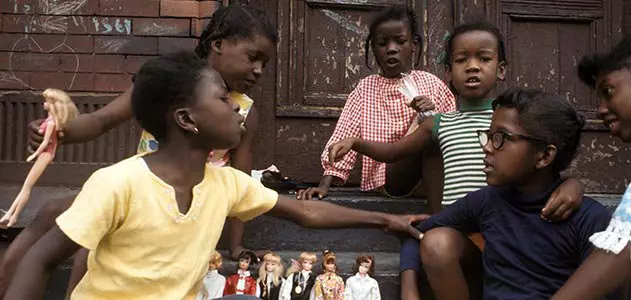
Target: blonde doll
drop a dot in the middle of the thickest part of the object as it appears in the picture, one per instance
(270, 277)
(60, 109)
(328, 285)
(300, 280)
(213, 283)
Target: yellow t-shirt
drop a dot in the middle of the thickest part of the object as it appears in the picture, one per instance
(141, 246)
(218, 158)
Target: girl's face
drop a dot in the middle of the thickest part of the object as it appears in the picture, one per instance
(518, 155)
(474, 67)
(329, 267)
(307, 265)
(614, 93)
(240, 61)
(393, 46)
(215, 116)
(364, 267)
(271, 266)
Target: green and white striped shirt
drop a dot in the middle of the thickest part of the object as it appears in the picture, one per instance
(457, 136)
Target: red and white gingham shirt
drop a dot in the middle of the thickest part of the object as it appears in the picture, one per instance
(376, 111)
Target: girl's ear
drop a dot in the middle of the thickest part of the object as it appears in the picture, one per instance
(501, 70)
(546, 157)
(184, 119)
(216, 45)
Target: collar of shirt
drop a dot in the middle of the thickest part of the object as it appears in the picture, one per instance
(305, 274)
(243, 273)
(529, 202)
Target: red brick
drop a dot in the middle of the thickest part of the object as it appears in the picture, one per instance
(4, 60)
(14, 80)
(17, 6)
(67, 7)
(34, 62)
(63, 43)
(96, 25)
(162, 27)
(111, 82)
(207, 8)
(125, 45)
(198, 26)
(179, 8)
(15, 23)
(46, 43)
(129, 8)
(133, 63)
(64, 81)
(167, 45)
(83, 63)
(109, 64)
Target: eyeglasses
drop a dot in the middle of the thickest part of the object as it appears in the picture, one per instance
(497, 138)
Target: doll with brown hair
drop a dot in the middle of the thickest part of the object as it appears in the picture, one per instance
(270, 277)
(242, 283)
(328, 285)
(60, 110)
(213, 283)
(362, 286)
(300, 280)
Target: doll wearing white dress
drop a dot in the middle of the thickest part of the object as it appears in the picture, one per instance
(213, 283)
(362, 286)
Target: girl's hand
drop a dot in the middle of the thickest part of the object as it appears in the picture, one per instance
(36, 135)
(421, 104)
(338, 150)
(307, 194)
(403, 224)
(564, 201)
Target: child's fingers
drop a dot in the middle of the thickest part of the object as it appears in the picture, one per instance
(560, 212)
(415, 233)
(553, 203)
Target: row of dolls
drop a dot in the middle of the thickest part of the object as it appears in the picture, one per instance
(299, 284)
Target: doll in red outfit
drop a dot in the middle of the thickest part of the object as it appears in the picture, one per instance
(242, 283)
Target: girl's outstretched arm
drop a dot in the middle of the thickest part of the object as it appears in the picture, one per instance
(322, 214)
(32, 274)
(386, 152)
(86, 127)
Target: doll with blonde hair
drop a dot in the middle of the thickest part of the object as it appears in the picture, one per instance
(329, 285)
(300, 280)
(270, 277)
(60, 110)
(213, 283)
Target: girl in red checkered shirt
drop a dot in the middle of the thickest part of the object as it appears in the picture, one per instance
(377, 111)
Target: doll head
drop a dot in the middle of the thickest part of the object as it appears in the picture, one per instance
(244, 260)
(365, 264)
(60, 107)
(328, 261)
(216, 261)
(307, 259)
(271, 264)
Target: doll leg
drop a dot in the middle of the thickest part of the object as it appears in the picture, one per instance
(11, 217)
(453, 264)
(44, 220)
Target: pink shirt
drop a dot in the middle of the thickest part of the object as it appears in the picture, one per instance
(376, 111)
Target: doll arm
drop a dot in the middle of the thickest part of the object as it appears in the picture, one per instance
(339, 289)
(50, 129)
(375, 293)
(285, 288)
(317, 289)
(348, 292)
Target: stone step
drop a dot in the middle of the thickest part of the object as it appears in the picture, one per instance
(276, 234)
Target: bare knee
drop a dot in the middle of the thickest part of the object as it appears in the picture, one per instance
(441, 246)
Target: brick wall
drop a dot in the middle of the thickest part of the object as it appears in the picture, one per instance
(91, 45)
